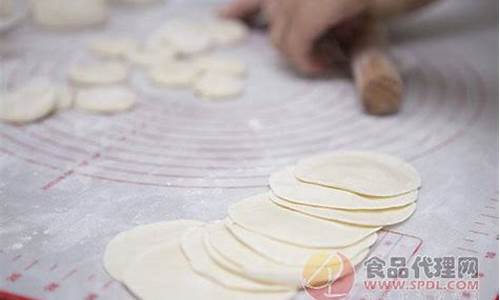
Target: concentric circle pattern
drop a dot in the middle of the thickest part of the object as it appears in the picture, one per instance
(172, 143)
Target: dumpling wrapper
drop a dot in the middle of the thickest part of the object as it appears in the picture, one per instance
(261, 215)
(384, 217)
(194, 248)
(232, 254)
(127, 246)
(165, 272)
(287, 254)
(365, 173)
(98, 73)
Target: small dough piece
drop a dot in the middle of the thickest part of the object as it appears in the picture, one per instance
(261, 215)
(218, 86)
(223, 65)
(106, 99)
(175, 74)
(286, 186)
(124, 248)
(113, 47)
(98, 73)
(365, 173)
(227, 32)
(194, 249)
(29, 103)
(384, 217)
(148, 57)
(287, 254)
(164, 272)
(186, 37)
(63, 14)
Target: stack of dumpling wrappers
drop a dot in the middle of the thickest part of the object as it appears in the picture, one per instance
(334, 202)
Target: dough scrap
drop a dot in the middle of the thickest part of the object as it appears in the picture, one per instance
(285, 185)
(106, 99)
(287, 254)
(261, 215)
(113, 47)
(223, 65)
(365, 173)
(218, 86)
(193, 247)
(175, 74)
(227, 32)
(63, 14)
(98, 73)
(124, 248)
(29, 103)
(383, 217)
(165, 270)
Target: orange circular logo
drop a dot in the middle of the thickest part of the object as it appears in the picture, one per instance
(328, 275)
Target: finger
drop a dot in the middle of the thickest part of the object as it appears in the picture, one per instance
(298, 46)
(240, 8)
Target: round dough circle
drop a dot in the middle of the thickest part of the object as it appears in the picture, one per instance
(287, 254)
(365, 173)
(194, 248)
(285, 185)
(227, 32)
(29, 103)
(261, 215)
(175, 74)
(124, 248)
(98, 73)
(384, 217)
(63, 14)
(218, 86)
(113, 47)
(106, 99)
(165, 270)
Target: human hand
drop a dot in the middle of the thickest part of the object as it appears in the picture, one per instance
(297, 26)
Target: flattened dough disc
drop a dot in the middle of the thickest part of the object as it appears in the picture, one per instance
(365, 173)
(124, 248)
(286, 186)
(194, 249)
(106, 99)
(165, 273)
(223, 65)
(175, 74)
(261, 215)
(383, 217)
(218, 86)
(32, 102)
(288, 254)
(227, 32)
(63, 14)
(113, 47)
(98, 73)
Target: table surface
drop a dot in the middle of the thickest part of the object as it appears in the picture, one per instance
(68, 184)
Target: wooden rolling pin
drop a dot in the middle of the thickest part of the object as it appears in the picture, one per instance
(377, 80)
